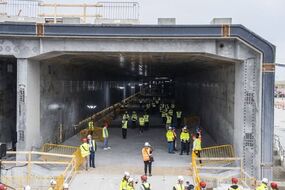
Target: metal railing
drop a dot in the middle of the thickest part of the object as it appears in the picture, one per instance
(217, 152)
(280, 149)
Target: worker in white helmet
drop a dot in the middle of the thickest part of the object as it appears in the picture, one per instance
(263, 185)
(124, 182)
(131, 184)
(180, 184)
(52, 185)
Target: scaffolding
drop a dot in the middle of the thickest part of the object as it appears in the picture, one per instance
(110, 12)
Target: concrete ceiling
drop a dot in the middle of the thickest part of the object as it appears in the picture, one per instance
(141, 64)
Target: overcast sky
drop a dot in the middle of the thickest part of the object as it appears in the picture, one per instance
(264, 17)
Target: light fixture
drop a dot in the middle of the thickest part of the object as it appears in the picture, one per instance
(121, 87)
(91, 107)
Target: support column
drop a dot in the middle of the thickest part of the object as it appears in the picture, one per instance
(267, 125)
(107, 94)
(28, 104)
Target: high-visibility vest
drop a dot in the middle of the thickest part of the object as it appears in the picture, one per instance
(169, 136)
(141, 121)
(262, 187)
(91, 125)
(234, 187)
(145, 186)
(197, 144)
(168, 119)
(178, 114)
(179, 187)
(134, 117)
(125, 124)
(170, 112)
(184, 136)
(146, 118)
(105, 132)
(163, 114)
(92, 143)
(84, 150)
(123, 184)
(130, 187)
(146, 153)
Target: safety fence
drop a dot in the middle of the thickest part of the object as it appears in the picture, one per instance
(280, 105)
(218, 165)
(99, 118)
(36, 169)
(280, 149)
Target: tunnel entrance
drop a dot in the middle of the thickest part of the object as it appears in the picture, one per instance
(75, 85)
(8, 101)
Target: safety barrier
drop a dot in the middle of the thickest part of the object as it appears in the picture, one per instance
(280, 149)
(195, 172)
(217, 152)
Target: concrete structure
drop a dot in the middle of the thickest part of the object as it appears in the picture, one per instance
(223, 73)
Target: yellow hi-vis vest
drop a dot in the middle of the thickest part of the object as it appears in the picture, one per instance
(141, 121)
(184, 136)
(163, 114)
(90, 125)
(262, 187)
(130, 187)
(197, 144)
(84, 150)
(105, 132)
(126, 117)
(179, 187)
(168, 119)
(134, 117)
(146, 118)
(178, 114)
(124, 184)
(169, 136)
(125, 124)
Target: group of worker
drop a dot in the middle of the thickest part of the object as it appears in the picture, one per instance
(143, 122)
(87, 150)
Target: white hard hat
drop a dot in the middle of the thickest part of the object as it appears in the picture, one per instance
(185, 127)
(27, 187)
(89, 137)
(265, 180)
(127, 174)
(169, 128)
(180, 178)
(65, 186)
(52, 182)
(146, 144)
(130, 179)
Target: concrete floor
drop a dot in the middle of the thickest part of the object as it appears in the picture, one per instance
(125, 155)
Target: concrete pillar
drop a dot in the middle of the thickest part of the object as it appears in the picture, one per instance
(267, 123)
(28, 104)
(107, 94)
(125, 91)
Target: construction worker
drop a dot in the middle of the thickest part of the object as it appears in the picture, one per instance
(2, 187)
(170, 139)
(179, 185)
(178, 118)
(197, 146)
(274, 186)
(92, 149)
(263, 185)
(134, 118)
(141, 123)
(91, 126)
(126, 116)
(170, 112)
(131, 185)
(84, 149)
(174, 140)
(52, 185)
(145, 185)
(146, 121)
(147, 157)
(234, 185)
(65, 186)
(124, 128)
(168, 119)
(185, 141)
(124, 182)
(163, 116)
(105, 135)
